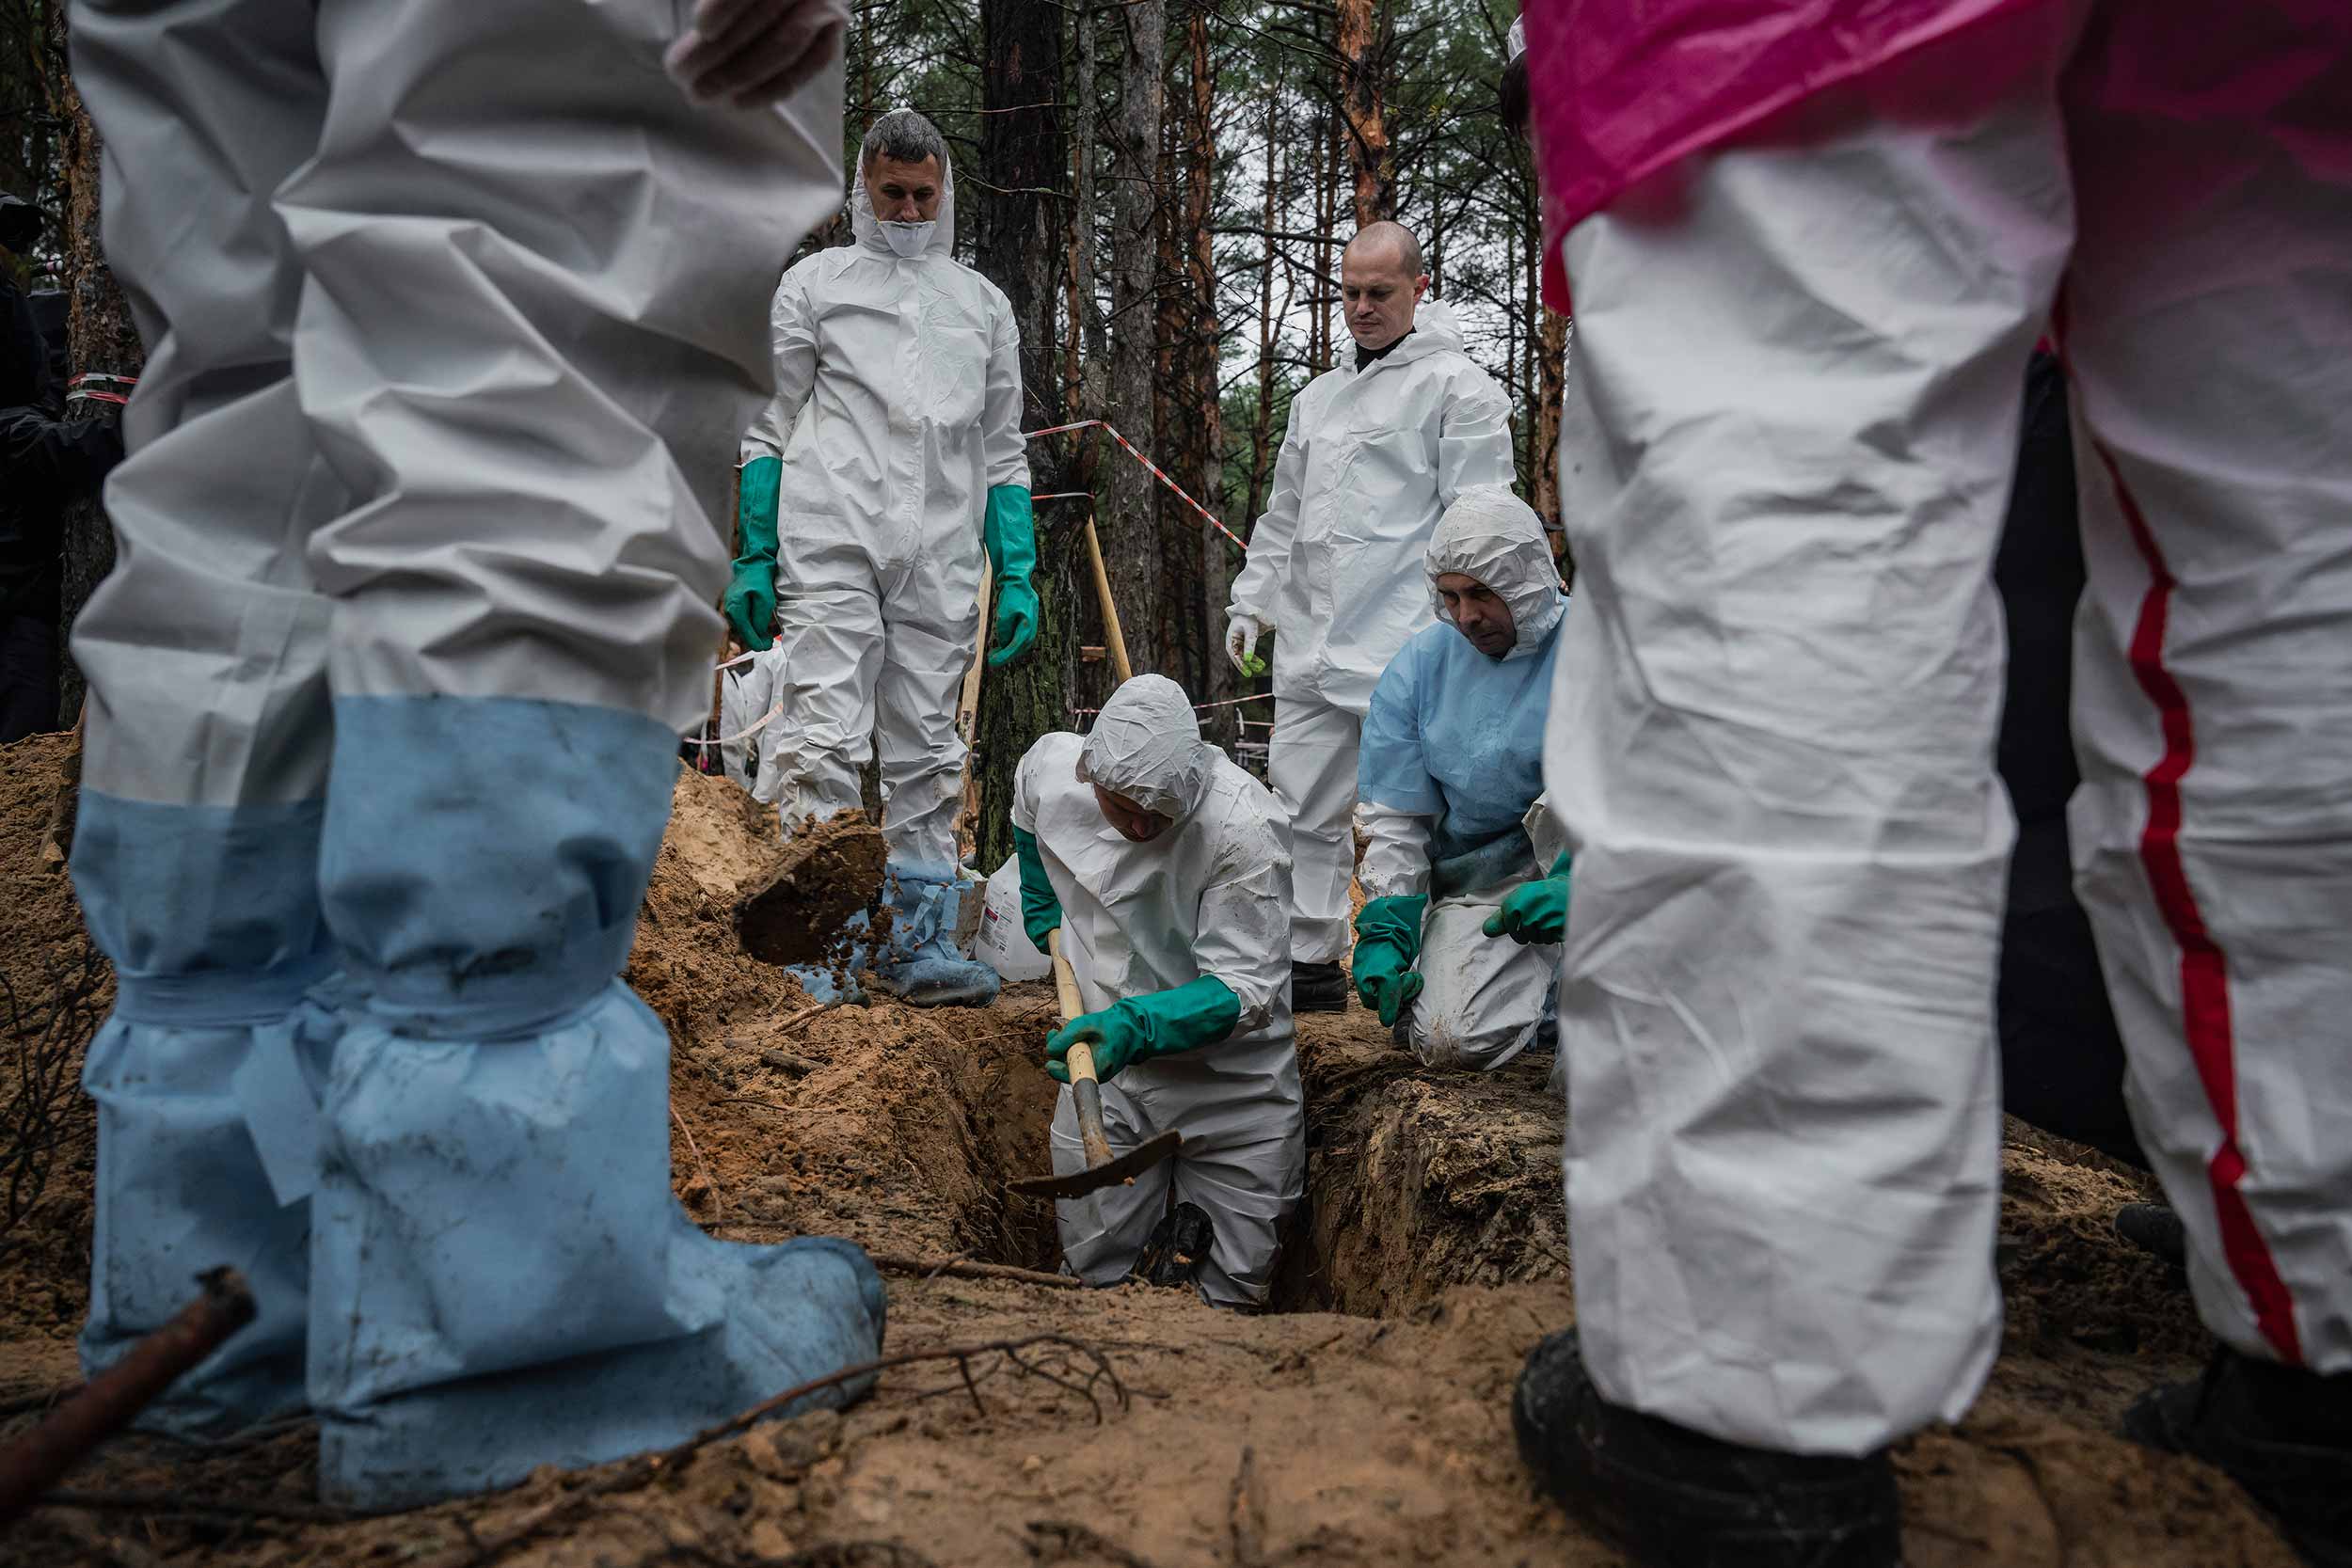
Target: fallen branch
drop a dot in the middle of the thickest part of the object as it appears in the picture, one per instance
(787, 1064)
(803, 1016)
(32, 1464)
(929, 1267)
(647, 1468)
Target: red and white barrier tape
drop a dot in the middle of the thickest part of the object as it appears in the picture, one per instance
(1128, 447)
(97, 386)
(1203, 707)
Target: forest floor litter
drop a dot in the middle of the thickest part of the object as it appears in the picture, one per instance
(1364, 1420)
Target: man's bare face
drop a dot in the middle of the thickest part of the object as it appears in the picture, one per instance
(1478, 614)
(1379, 293)
(1135, 823)
(902, 191)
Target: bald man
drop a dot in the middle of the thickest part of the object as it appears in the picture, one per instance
(1378, 448)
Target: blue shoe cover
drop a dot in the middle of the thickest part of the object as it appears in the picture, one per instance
(205, 1077)
(838, 981)
(780, 1316)
(922, 967)
(501, 1278)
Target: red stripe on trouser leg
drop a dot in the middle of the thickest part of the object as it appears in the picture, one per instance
(2204, 975)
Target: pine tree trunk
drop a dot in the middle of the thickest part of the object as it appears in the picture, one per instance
(1544, 485)
(101, 337)
(1022, 150)
(1129, 515)
(1202, 368)
(1262, 417)
(1372, 172)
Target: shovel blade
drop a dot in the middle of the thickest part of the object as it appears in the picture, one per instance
(1113, 1172)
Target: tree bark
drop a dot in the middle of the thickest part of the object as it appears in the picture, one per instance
(1129, 517)
(1544, 484)
(1203, 365)
(1086, 316)
(1372, 172)
(1020, 244)
(1262, 417)
(99, 336)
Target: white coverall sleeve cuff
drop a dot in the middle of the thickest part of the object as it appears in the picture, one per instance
(1396, 852)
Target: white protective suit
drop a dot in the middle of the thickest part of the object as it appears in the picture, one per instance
(1452, 760)
(897, 409)
(451, 314)
(1776, 754)
(1370, 460)
(747, 695)
(1210, 895)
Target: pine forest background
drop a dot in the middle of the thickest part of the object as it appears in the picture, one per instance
(1162, 188)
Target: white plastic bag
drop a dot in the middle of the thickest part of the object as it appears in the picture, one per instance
(1002, 944)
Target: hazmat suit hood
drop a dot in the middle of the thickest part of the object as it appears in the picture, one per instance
(1146, 745)
(1491, 535)
(1436, 328)
(867, 227)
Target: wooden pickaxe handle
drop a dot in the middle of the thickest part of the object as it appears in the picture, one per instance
(1085, 1092)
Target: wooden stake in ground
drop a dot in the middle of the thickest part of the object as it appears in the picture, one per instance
(712, 761)
(1112, 636)
(968, 728)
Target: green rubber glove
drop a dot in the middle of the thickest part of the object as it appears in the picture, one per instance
(1535, 912)
(1009, 534)
(1041, 911)
(1137, 1028)
(750, 601)
(1388, 940)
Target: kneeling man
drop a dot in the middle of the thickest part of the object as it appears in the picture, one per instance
(1162, 864)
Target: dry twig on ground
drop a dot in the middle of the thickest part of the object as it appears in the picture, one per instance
(961, 1268)
(43, 1042)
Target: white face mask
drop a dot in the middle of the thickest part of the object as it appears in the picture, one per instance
(908, 239)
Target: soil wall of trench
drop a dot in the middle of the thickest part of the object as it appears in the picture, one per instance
(1430, 1255)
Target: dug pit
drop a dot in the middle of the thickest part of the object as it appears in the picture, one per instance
(1365, 1424)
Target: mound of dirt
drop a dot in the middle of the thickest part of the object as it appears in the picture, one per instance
(1434, 1223)
(1418, 1182)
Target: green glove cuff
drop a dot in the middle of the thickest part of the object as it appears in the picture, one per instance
(1196, 1013)
(756, 510)
(1393, 922)
(1009, 533)
(1137, 1028)
(1041, 911)
(1559, 872)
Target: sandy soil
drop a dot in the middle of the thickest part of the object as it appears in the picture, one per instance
(1366, 1424)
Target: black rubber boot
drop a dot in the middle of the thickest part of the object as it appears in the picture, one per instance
(2155, 1229)
(1318, 988)
(2283, 1433)
(1674, 1498)
(1178, 1245)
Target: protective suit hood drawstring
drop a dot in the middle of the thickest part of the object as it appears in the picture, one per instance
(874, 234)
(1491, 535)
